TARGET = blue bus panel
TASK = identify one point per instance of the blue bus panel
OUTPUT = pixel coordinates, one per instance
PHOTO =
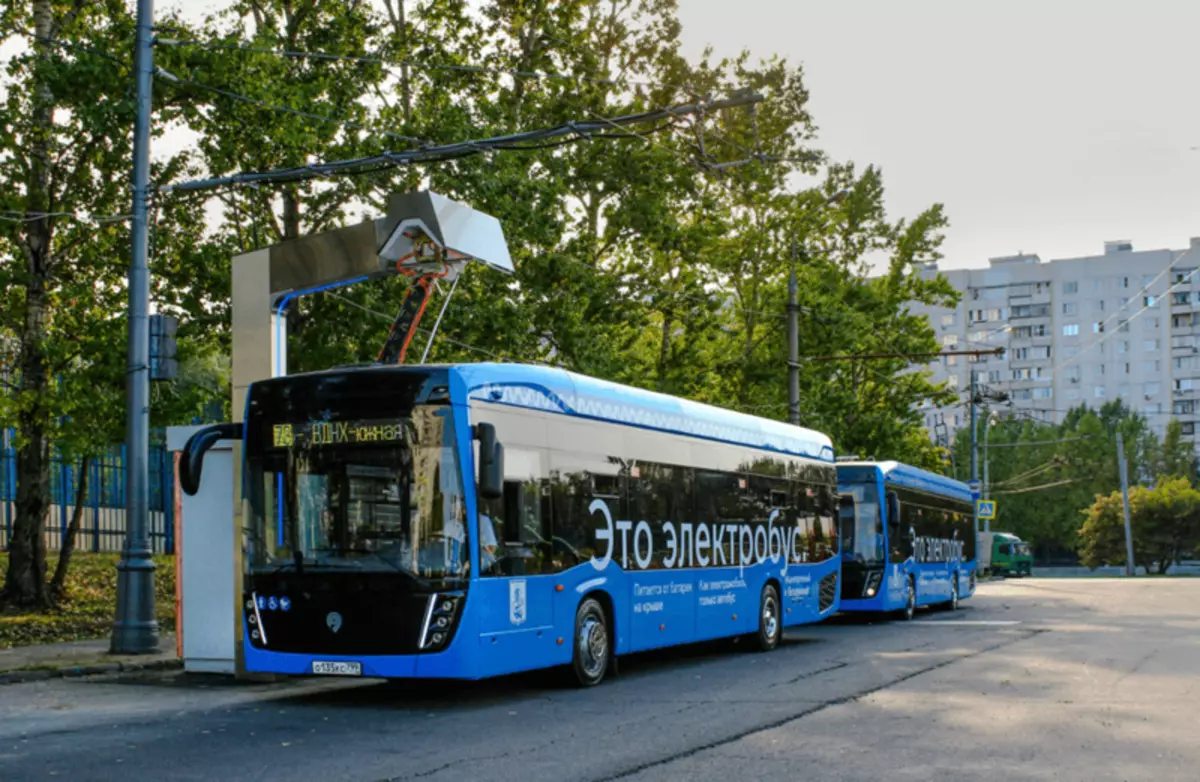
(373, 552)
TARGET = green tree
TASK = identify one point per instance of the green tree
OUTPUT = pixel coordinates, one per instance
(1165, 521)
(64, 156)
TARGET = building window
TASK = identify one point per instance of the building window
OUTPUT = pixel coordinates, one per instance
(947, 320)
(993, 376)
(1151, 366)
(1180, 297)
(1043, 393)
(1098, 327)
(1184, 384)
(1070, 308)
(1184, 407)
(1151, 389)
(951, 361)
(1151, 323)
(1149, 301)
(950, 340)
(1099, 392)
(1071, 330)
(1071, 287)
(1127, 367)
(1072, 393)
(952, 382)
(1071, 351)
(1097, 285)
(1073, 373)
(1187, 427)
(1123, 347)
(1150, 344)
(979, 336)
(1040, 351)
(1124, 282)
(1021, 354)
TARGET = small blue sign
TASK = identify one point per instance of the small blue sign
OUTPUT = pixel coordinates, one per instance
(974, 484)
(262, 602)
(284, 603)
(272, 603)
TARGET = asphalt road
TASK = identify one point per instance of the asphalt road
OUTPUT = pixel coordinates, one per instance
(1033, 679)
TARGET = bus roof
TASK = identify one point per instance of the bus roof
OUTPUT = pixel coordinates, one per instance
(558, 391)
(909, 477)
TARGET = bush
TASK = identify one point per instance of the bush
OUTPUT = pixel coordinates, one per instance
(89, 605)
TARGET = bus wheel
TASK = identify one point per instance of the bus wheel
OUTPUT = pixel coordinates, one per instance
(910, 602)
(770, 626)
(589, 662)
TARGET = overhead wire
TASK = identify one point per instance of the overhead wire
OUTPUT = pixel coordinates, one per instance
(452, 151)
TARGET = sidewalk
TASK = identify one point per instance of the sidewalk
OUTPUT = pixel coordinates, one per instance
(80, 658)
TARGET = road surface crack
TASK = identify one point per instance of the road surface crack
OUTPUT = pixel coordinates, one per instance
(778, 723)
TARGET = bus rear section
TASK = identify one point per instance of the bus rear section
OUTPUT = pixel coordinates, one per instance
(907, 538)
(480, 520)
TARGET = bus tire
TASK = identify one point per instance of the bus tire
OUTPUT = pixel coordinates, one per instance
(910, 601)
(592, 644)
(770, 620)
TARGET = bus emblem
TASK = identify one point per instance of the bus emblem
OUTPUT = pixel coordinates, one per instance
(333, 620)
(516, 602)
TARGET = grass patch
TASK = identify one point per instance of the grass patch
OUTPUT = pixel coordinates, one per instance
(89, 606)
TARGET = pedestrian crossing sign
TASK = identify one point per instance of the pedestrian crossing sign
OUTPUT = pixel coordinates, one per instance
(987, 509)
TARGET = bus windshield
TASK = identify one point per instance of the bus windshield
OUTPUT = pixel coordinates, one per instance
(862, 533)
(383, 494)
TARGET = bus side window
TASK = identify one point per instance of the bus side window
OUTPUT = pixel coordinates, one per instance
(896, 543)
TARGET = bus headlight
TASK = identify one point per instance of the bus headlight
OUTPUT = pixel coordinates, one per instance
(870, 591)
(440, 614)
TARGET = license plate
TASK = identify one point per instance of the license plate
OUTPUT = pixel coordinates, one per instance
(336, 669)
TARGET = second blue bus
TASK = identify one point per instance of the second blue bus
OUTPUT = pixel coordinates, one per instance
(908, 538)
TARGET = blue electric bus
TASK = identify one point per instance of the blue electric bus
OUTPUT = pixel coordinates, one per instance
(908, 538)
(475, 520)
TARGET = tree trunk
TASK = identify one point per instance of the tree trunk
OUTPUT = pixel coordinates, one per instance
(664, 350)
(58, 583)
(25, 582)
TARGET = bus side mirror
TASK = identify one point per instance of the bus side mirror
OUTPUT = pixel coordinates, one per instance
(191, 461)
(893, 509)
(491, 462)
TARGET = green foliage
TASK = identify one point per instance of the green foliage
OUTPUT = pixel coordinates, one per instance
(1041, 488)
(637, 259)
(1165, 521)
(87, 609)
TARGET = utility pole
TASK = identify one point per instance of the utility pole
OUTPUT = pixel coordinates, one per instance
(1129, 564)
(793, 312)
(135, 630)
(974, 450)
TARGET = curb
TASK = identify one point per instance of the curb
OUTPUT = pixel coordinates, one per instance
(76, 671)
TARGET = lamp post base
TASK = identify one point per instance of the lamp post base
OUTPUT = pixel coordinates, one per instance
(135, 630)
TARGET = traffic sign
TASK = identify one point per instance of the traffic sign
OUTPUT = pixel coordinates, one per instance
(987, 509)
(974, 485)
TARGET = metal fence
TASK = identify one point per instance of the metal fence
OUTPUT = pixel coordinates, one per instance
(102, 526)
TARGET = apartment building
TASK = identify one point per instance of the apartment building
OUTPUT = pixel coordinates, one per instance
(1124, 324)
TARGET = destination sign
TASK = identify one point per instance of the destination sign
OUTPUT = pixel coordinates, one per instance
(316, 434)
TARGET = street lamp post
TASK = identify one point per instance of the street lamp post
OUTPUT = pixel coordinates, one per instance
(992, 420)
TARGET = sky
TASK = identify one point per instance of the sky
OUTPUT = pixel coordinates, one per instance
(1044, 126)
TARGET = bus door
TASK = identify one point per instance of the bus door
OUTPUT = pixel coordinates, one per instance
(515, 592)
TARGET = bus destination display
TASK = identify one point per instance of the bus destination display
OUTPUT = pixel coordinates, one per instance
(316, 434)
